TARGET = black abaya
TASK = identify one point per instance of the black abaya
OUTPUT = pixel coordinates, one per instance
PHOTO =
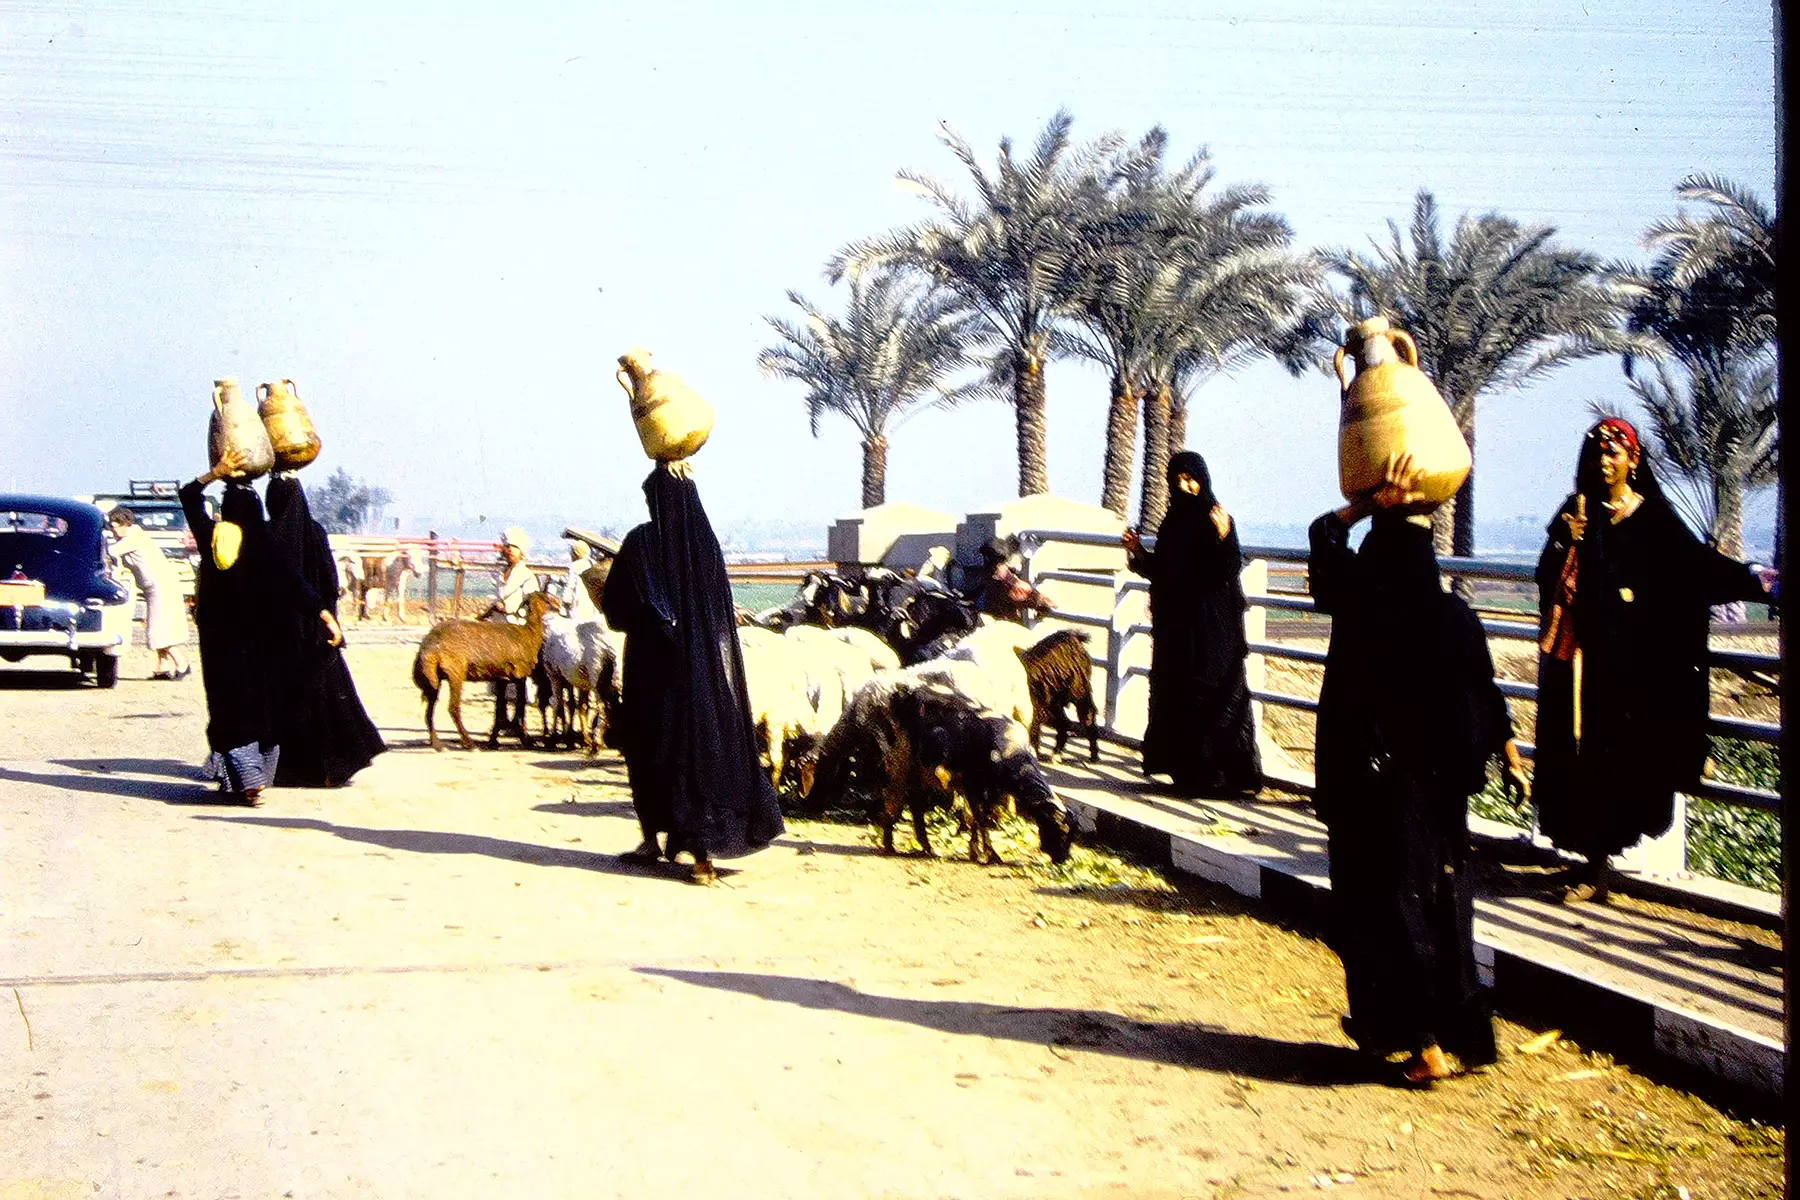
(1642, 591)
(324, 732)
(1201, 731)
(1408, 716)
(686, 730)
(238, 612)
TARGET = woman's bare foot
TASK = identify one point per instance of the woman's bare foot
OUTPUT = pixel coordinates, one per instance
(1427, 1066)
(253, 797)
(704, 875)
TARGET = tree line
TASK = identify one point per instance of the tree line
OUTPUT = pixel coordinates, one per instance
(1108, 251)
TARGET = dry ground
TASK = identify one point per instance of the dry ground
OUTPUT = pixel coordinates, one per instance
(439, 982)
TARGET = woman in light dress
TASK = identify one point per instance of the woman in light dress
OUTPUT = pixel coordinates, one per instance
(165, 621)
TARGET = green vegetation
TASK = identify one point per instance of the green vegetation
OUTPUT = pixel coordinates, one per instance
(1740, 845)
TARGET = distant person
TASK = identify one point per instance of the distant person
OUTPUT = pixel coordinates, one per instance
(576, 597)
(1623, 687)
(319, 722)
(1006, 595)
(686, 733)
(246, 595)
(165, 616)
(1409, 716)
(517, 581)
(1201, 732)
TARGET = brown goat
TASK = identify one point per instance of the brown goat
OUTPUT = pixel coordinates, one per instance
(498, 651)
(1059, 674)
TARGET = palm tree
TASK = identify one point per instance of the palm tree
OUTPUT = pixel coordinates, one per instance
(892, 352)
(1709, 296)
(1710, 291)
(1003, 257)
(1498, 307)
(1716, 434)
(1167, 279)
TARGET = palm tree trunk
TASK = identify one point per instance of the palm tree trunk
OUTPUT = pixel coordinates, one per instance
(1121, 440)
(874, 479)
(1728, 534)
(1153, 498)
(1462, 543)
(1028, 403)
(1177, 427)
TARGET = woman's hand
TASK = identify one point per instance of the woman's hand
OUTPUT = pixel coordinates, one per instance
(334, 632)
(1769, 577)
(1577, 520)
(231, 464)
(1513, 781)
(1221, 520)
(1401, 488)
(1131, 541)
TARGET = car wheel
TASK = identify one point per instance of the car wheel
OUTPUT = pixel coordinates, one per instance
(106, 670)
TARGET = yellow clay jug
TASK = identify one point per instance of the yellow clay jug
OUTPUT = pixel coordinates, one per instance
(1391, 408)
(290, 426)
(672, 420)
(235, 423)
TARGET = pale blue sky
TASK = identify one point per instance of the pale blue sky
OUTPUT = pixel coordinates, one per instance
(446, 227)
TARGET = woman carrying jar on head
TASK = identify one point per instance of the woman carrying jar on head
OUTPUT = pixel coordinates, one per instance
(1623, 687)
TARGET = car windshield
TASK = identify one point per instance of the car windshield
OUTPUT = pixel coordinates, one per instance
(43, 524)
(160, 520)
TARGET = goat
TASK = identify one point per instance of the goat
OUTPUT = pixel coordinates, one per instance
(580, 666)
(1059, 674)
(922, 619)
(957, 747)
(459, 651)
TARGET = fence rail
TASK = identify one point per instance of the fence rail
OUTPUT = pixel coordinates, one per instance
(1117, 606)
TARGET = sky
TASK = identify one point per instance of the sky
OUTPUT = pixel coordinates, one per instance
(446, 229)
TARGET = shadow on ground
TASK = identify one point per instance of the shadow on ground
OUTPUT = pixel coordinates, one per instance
(1310, 1064)
(432, 841)
(192, 791)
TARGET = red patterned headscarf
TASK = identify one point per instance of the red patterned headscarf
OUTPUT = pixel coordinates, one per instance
(1620, 428)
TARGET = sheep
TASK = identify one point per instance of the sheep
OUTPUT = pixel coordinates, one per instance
(881, 655)
(953, 746)
(581, 662)
(993, 649)
(1059, 673)
(781, 708)
(460, 650)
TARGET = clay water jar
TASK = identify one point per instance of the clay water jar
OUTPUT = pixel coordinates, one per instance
(291, 432)
(671, 418)
(236, 424)
(1389, 408)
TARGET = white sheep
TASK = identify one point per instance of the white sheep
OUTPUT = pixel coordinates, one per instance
(782, 708)
(581, 659)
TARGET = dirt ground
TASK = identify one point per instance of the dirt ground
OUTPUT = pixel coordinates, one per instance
(441, 982)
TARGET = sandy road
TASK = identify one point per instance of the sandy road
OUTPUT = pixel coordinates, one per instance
(440, 982)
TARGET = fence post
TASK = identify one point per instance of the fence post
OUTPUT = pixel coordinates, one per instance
(431, 587)
(1255, 579)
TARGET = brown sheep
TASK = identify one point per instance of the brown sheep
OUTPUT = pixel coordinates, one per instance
(1059, 674)
(459, 651)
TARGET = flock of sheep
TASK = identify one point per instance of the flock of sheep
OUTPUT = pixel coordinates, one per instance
(874, 686)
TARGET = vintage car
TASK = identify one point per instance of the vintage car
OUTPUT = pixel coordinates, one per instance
(56, 596)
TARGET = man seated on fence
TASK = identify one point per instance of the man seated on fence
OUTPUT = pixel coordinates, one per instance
(1006, 595)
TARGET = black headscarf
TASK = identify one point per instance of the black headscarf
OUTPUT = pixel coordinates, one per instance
(1187, 542)
(694, 766)
(300, 539)
(1597, 581)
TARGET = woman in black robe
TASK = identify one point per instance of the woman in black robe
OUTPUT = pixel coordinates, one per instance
(1409, 716)
(686, 730)
(1624, 589)
(246, 597)
(319, 721)
(1200, 732)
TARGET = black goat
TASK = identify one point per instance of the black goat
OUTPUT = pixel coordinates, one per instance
(948, 745)
(1059, 674)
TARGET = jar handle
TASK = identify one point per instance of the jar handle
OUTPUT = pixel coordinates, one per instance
(1405, 347)
(218, 397)
(1337, 361)
(292, 390)
(262, 393)
(625, 382)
